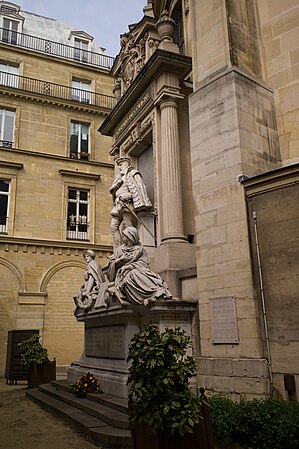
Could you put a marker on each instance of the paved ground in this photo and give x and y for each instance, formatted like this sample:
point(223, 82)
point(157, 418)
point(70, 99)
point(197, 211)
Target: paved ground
point(24, 425)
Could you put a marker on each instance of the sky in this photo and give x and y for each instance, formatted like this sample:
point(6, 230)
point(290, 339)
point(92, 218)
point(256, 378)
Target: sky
point(105, 20)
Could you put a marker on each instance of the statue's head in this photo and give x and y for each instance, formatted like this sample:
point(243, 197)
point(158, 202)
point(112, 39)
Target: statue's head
point(90, 253)
point(123, 162)
point(131, 234)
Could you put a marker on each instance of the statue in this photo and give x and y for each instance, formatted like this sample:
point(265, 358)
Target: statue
point(131, 278)
point(93, 280)
point(129, 196)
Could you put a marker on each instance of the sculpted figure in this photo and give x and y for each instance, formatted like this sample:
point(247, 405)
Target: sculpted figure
point(129, 196)
point(93, 278)
point(134, 281)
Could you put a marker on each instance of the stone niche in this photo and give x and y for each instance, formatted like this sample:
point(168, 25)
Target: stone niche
point(108, 333)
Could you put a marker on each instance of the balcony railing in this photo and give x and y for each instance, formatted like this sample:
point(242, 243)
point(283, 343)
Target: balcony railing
point(56, 90)
point(3, 224)
point(55, 48)
point(77, 230)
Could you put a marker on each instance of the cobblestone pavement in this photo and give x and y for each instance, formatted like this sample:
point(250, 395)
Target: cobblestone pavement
point(24, 425)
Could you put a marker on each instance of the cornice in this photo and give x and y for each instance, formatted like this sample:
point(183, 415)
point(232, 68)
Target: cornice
point(70, 161)
point(54, 244)
point(15, 165)
point(160, 61)
point(79, 174)
point(272, 180)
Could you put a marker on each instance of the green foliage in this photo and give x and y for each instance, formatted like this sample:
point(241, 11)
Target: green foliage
point(32, 352)
point(257, 424)
point(86, 384)
point(158, 381)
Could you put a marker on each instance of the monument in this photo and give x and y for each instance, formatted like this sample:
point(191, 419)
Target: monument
point(116, 302)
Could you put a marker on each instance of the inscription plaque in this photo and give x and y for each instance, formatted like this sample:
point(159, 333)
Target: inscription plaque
point(106, 342)
point(224, 320)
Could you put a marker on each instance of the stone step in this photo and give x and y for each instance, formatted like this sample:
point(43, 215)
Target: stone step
point(113, 402)
point(99, 432)
point(106, 414)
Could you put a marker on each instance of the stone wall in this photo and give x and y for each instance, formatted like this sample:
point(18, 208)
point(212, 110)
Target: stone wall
point(279, 23)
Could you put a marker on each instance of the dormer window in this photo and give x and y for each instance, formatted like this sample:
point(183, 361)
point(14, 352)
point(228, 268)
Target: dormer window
point(81, 42)
point(10, 30)
point(81, 50)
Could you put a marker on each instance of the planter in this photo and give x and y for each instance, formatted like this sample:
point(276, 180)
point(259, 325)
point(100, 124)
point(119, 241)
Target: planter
point(41, 374)
point(142, 439)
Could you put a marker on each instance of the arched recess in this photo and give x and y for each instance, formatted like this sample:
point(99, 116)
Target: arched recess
point(63, 336)
point(10, 282)
point(12, 267)
point(55, 268)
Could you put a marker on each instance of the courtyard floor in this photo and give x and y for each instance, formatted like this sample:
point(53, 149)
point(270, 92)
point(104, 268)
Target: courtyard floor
point(24, 425)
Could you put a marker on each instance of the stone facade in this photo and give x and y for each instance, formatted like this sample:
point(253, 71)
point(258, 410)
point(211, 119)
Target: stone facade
point(232, 117)
point(41, 255)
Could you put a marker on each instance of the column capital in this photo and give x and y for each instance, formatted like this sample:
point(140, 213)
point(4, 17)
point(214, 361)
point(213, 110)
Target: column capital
point(168, 98)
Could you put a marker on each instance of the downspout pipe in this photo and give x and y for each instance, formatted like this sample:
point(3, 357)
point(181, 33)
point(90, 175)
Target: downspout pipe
point(263, 302)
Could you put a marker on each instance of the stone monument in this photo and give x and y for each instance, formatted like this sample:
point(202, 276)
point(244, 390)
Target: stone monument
point(115, 303)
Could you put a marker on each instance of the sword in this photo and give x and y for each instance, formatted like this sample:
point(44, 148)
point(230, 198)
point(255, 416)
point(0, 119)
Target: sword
point(140, 221)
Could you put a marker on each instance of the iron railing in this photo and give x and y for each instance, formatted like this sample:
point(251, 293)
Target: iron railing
point(56, 90)
point(77, 230)
point(6, 143)
point(55, 48)
point(3, 224)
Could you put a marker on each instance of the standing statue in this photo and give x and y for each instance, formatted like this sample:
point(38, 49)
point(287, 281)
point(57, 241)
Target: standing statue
point(131, 278)
point(129, 196)
point(93, 278)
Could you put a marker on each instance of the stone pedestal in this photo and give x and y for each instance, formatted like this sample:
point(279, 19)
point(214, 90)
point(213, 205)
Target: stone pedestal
point(108, 333)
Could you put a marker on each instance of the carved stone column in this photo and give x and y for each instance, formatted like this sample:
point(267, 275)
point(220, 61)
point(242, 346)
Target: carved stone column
point(172, 215)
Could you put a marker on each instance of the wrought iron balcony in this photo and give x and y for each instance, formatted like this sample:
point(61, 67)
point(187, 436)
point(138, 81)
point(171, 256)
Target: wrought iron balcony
point(55, 90)
point(55, 48)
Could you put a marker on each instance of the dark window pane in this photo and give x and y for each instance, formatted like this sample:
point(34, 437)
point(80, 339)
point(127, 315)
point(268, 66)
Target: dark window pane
point(72, 194)
point(3, 208)
point(83, 195)
point(4, 186)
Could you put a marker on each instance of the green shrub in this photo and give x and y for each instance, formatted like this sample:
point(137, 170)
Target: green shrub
point(158, 381)
point(32, 352)
point(257, 424)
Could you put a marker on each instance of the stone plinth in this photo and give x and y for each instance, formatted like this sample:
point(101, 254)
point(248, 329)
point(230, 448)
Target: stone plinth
point(108, 333)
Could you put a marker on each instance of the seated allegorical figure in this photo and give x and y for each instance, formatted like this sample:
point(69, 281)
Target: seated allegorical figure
point(93, 278)
point(134, 281)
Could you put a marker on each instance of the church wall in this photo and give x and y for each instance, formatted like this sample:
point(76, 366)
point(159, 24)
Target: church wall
point(279, 23)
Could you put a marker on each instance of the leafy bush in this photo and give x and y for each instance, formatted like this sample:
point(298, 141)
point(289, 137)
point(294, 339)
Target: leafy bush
point(86, 384)
point(257, 424)
point(32, 352)
point(159, 394)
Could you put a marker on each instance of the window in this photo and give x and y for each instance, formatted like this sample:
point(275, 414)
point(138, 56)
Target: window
point(81, 50)
point(10, 31)
point(8, 75)
point(78, 214)
point(79, 145)
point(7, 120)
point(81, 91)
point(4, 204)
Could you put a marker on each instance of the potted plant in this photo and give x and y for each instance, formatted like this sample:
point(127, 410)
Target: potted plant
point(163, 410)
point(35, 358)
point(86, 383)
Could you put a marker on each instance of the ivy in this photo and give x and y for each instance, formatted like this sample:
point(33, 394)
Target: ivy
point(158, 381)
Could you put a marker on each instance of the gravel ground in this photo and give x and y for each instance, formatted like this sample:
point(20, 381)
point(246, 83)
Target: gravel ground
point(24, 425)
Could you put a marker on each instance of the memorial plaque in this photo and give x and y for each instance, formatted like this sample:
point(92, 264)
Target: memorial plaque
point(224, 320)
point(105, 342)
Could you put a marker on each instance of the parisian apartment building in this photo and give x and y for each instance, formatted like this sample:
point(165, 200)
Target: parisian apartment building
point(55, 174)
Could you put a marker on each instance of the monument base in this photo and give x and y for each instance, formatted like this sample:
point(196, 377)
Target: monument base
point(108, 333)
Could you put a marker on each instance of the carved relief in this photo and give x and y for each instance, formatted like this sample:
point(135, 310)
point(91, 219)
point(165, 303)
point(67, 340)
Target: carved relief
point(132, 58)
